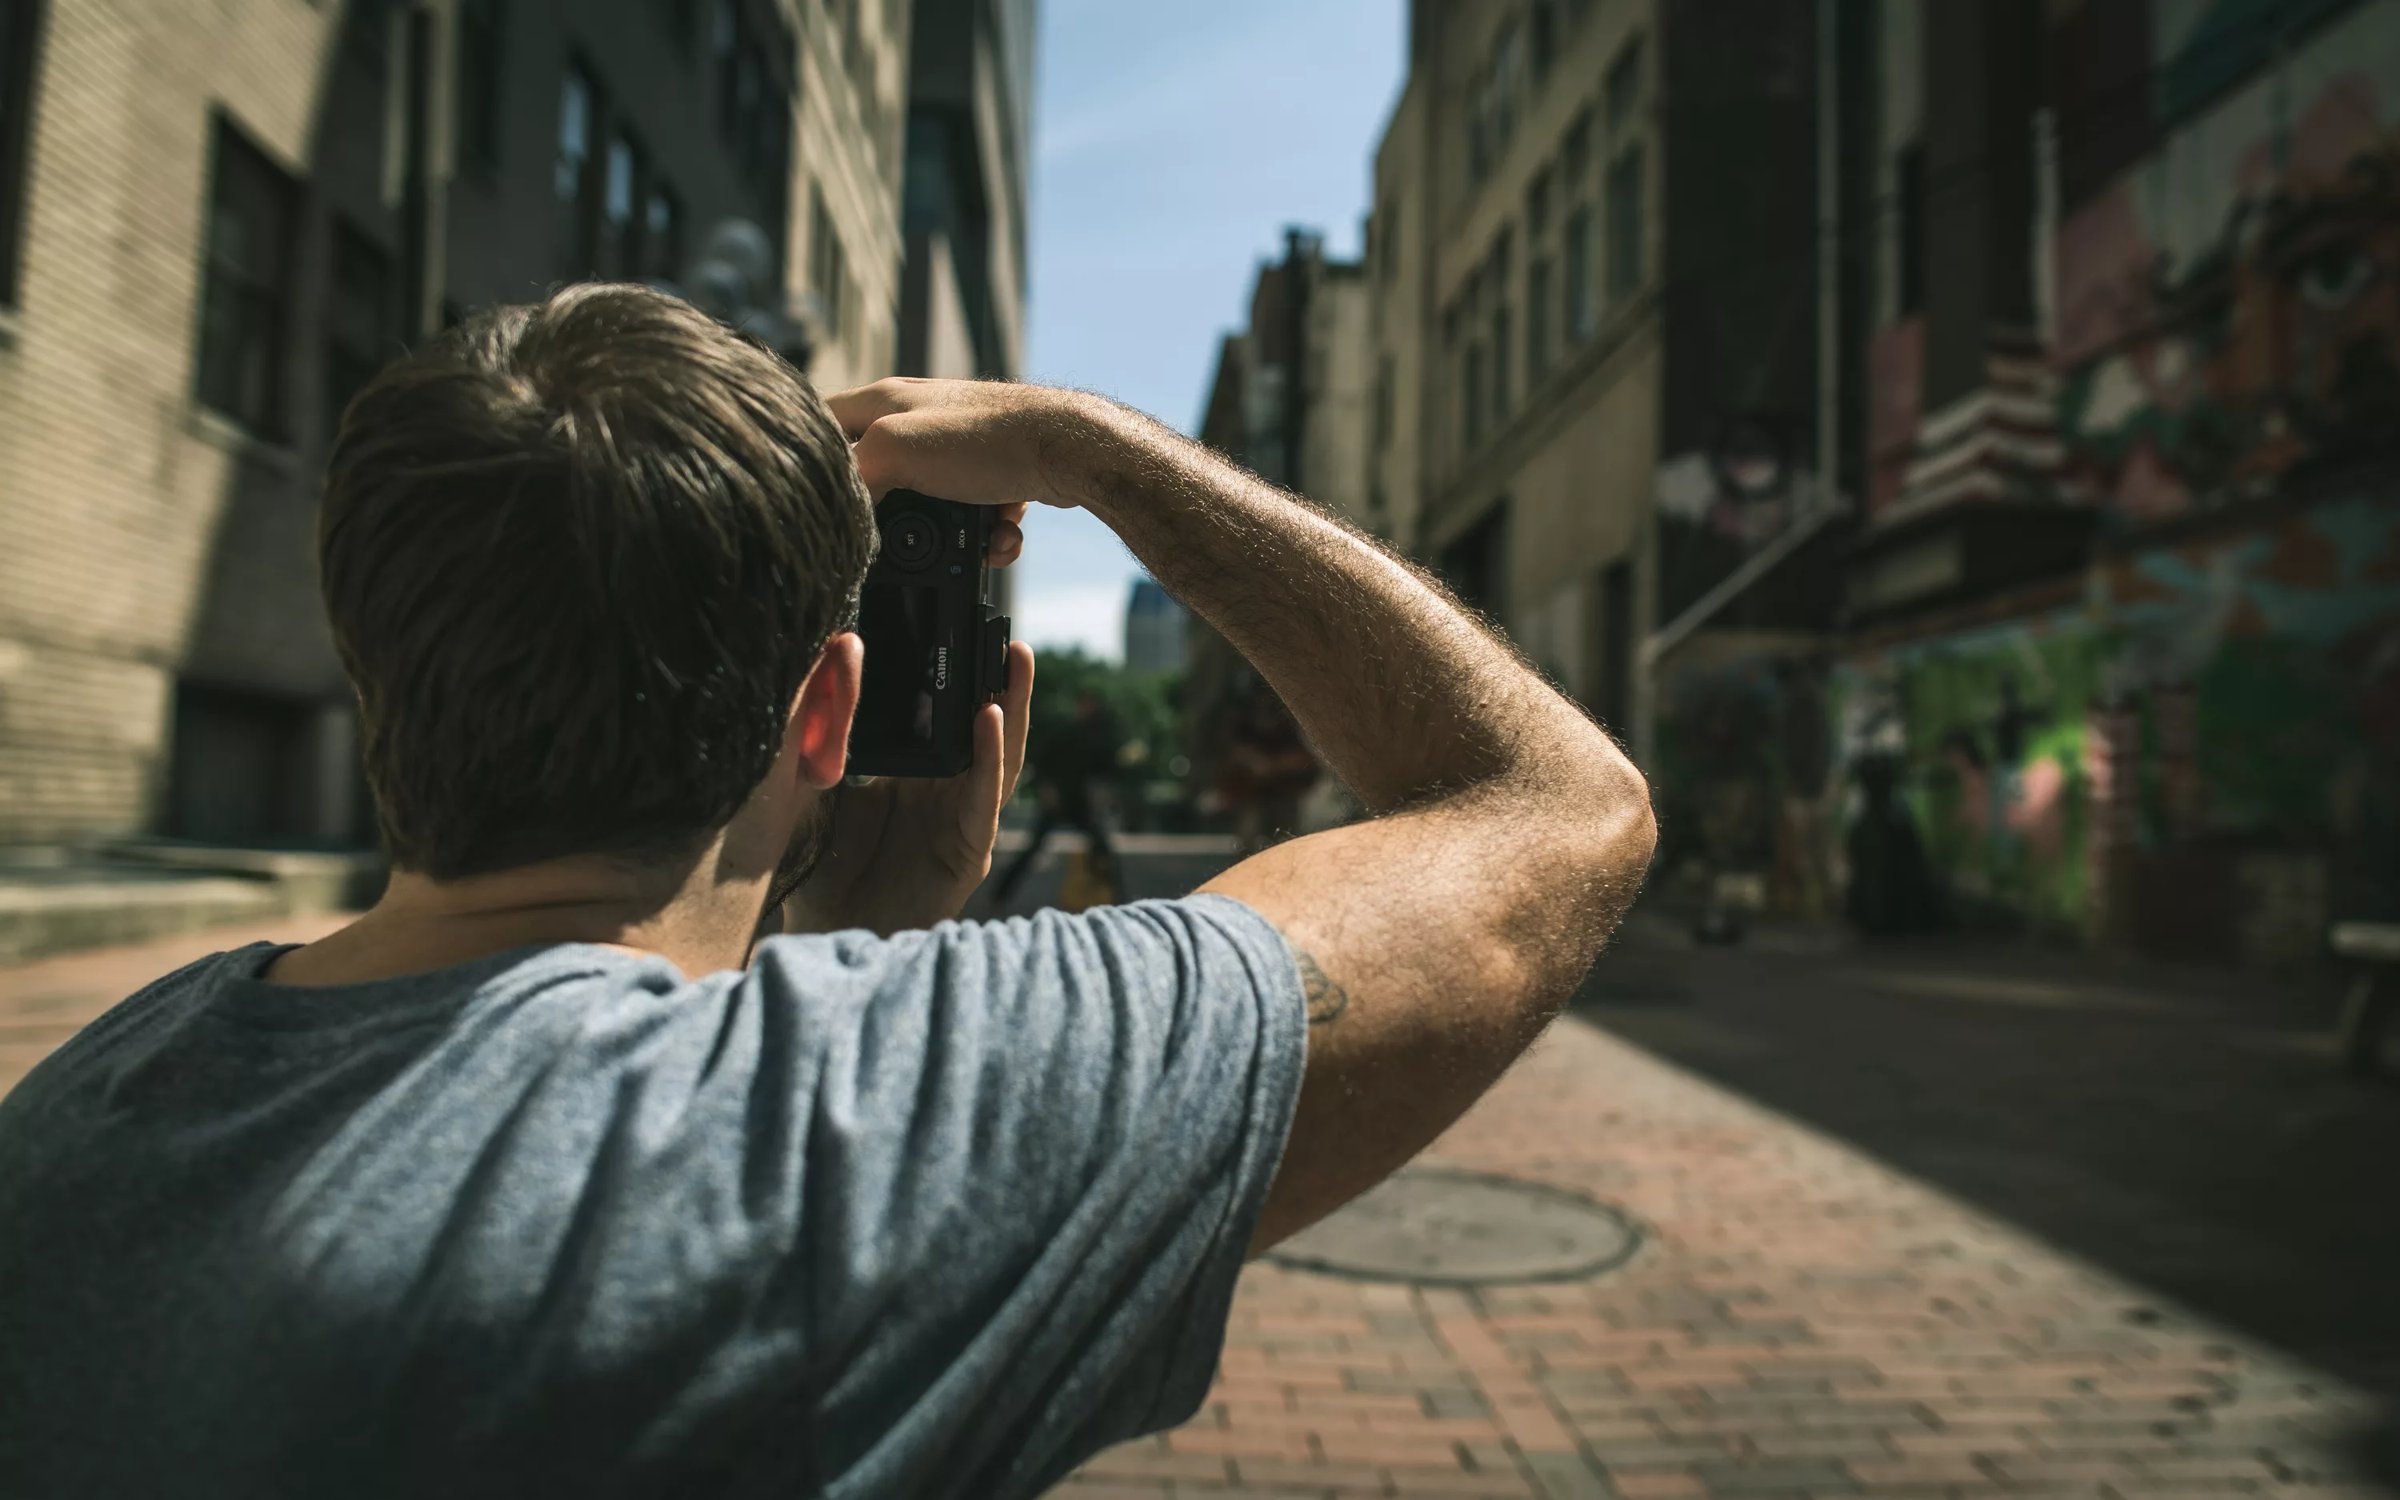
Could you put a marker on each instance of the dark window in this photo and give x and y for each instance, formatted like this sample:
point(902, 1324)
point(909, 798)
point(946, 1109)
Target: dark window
point(1624, 86)
point(1908, 228)
point(1502, 363)
point(1625, 223)
point(242, 772)
point(620, 209)
point(1616, 646)
point(253, 211)
point(662, 232)
point(1582, 312)
point(575, 178)
point(1537, 323)
point(479, 112)
point(367, 27)
point(1387, 239)
point(1537, 204)
point(1472, 382)
point(753, 61)
point(828, 270)
point(1545, 37)
point(1575, 155)
point(681, 18)
point(1386, 400)
point(20, 41)
point(1476, 565)
point(362, 332)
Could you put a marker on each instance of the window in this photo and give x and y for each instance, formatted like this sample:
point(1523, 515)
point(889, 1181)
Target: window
point(753, 61)
point(1576, 258)
point(362, 331)
point(20, 41)
point(479, 82)
point(253, 209)
point(662, 232)
point(573, 179)
point(367, 33)
point(680, 18)
point(1908, 228)
point(1624, 87)
point(1575, 155)
point(1501, 363)
point(828, 270)
point(620, 200)
point(1387, 240)
point(1537, 204)
point(1386, 399)
point(1545, 37)
point(1537, 323)
point(1625, 223)
point(1471, 384)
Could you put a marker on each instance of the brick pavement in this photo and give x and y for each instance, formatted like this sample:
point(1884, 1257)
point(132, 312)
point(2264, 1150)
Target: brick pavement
point(1800, 1322)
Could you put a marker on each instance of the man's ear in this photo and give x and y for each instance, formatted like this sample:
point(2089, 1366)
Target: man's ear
point(819, 733)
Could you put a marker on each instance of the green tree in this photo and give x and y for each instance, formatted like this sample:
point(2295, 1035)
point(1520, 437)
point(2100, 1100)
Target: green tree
point(1144, 706)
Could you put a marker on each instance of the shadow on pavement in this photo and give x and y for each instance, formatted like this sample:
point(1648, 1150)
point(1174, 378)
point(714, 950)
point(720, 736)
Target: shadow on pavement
point(2189, 1133)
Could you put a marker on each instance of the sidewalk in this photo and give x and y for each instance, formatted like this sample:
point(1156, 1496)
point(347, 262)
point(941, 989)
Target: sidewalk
point(1799, 1321)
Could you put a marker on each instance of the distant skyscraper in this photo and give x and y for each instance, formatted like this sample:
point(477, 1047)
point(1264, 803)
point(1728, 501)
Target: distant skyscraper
point(1154, 629)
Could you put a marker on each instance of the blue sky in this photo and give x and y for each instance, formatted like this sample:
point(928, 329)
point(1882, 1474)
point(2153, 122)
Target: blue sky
point(1173, 140)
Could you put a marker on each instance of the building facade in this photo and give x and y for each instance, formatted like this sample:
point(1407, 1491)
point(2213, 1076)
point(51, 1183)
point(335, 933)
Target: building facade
point(2126, 613)
point(1552, 412)
point(214, 226)
point(1156, 629)
point(962, 303)
point(1290, 400)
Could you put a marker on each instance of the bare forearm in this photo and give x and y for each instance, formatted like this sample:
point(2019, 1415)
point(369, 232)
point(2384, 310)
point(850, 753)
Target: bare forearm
point(1405, 694)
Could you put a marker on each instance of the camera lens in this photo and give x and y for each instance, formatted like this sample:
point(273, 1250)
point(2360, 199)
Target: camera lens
point(910, 541)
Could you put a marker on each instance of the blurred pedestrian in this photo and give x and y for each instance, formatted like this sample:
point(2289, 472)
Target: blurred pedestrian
point(1268, 768)
point(1071, 769)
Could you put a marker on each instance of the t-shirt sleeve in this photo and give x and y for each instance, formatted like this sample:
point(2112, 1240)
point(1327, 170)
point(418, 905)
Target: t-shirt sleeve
point(1036, 1154)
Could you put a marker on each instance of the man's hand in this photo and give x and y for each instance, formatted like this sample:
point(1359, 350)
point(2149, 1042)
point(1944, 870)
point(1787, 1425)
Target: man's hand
point(981, 442)
point(907, 852)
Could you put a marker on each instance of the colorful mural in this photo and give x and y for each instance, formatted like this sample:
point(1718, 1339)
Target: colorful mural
point(2229, 310)
point(2240, 696)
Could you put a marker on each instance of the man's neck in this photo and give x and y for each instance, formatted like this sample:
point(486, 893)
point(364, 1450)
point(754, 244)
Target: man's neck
point(692, 918)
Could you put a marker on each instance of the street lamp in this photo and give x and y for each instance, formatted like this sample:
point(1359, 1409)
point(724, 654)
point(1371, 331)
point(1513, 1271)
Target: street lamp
point(733, 280)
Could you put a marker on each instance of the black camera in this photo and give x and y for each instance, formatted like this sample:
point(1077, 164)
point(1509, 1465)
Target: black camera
point(937, 651)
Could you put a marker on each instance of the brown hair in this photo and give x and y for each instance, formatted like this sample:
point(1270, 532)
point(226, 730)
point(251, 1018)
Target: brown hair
point(579, 557)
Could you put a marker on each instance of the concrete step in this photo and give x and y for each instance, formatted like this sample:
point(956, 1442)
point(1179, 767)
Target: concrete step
point(62, 899)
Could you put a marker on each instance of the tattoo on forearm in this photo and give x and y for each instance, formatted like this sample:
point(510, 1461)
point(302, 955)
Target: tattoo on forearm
point(1326, 999)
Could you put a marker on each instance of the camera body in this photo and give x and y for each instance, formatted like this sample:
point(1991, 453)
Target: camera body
point(936, 650)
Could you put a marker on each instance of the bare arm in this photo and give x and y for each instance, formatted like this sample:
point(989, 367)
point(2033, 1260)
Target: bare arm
point(1436, 939)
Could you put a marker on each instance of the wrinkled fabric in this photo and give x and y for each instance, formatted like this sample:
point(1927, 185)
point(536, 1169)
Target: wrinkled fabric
point(935, 1215)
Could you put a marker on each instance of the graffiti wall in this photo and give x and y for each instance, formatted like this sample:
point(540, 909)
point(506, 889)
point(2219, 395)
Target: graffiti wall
point(2228, 309)
point(2219, 710)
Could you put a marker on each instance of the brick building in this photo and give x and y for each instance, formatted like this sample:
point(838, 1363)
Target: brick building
point(215, 222)
point(1593, 316)
point(2118, 389)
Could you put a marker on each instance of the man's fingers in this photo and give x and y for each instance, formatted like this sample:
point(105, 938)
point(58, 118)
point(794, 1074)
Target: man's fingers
point(881, 455)
point(857, 408)
point(1008, 543)
point(979, 808)
point(1016, 706)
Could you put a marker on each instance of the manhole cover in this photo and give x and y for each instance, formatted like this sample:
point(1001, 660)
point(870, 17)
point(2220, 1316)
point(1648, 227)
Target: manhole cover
point(1431, 1225)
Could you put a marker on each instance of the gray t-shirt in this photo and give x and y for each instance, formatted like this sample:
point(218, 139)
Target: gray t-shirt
point(937, 1215)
